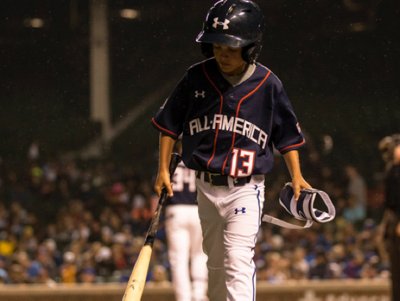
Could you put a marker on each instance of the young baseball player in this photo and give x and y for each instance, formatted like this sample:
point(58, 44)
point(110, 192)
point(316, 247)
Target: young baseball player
point(182, 224)
point(231, 111)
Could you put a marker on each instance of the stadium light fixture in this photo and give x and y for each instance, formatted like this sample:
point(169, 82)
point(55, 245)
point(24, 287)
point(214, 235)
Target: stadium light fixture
point(129, 13)
point(34, 22)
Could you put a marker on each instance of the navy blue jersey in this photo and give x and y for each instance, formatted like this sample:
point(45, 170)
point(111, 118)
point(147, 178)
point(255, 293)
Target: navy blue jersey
point(230, 129)
point(184, 186)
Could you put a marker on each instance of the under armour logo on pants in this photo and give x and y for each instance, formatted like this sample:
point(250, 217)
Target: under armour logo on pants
point(241, 210)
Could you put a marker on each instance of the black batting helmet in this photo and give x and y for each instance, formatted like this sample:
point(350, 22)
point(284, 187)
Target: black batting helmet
point(235, 23)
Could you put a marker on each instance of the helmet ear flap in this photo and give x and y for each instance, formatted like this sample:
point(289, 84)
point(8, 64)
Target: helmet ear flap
point(250, 52)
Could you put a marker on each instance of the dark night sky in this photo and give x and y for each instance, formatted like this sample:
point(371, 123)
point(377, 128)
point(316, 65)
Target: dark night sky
point(339, 62)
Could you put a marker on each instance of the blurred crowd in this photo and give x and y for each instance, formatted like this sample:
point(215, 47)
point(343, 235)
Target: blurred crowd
point(73, 221)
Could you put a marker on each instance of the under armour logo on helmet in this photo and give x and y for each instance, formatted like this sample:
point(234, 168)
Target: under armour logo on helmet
point(201, 94)
point(223, 24)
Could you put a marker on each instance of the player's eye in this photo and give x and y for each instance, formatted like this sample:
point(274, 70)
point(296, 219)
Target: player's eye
point(233, 50)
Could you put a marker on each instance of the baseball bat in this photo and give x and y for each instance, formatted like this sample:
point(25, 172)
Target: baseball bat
point(137, 280)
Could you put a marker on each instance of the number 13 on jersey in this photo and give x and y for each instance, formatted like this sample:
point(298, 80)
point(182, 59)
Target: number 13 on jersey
point(242, 163)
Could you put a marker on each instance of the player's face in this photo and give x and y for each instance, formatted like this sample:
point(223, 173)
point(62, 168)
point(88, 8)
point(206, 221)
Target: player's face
point(229, 59)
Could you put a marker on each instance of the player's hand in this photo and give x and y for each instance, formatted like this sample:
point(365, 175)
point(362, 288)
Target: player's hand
point(298, 183)
point(163, 181)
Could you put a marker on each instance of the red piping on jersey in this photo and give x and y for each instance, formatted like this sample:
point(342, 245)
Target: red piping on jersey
point(237, 114)
point(221, 99)
point(293, 145)
point(163, 129)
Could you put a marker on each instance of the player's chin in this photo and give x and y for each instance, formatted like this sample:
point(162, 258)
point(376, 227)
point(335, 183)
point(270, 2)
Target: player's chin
point(226, 68)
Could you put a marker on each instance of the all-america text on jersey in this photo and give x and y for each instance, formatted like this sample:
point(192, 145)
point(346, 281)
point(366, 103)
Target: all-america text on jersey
point(231, 124)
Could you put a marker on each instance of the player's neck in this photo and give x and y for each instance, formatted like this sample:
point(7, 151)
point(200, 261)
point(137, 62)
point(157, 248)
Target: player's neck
point(235, 80)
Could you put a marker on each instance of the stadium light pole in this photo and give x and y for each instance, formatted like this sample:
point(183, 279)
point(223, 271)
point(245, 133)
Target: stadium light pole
point(99, 67)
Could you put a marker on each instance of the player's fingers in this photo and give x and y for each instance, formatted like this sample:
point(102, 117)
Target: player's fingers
point(157, 189)
point(306, 185)
point(158, 185)
point(296, 189)
point(166, 184)
point(296, 193)
point(169, 190)
point(163, 184)
point(298, 184)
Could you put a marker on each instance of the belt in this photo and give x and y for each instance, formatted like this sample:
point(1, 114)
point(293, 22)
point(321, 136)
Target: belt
point(222, 180)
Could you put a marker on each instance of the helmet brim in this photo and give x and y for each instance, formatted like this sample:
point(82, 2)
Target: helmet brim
point(223, 39)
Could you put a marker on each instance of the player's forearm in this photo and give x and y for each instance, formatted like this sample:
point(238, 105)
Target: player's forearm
point(163, 176)
point(293, 163)
point(165, 151)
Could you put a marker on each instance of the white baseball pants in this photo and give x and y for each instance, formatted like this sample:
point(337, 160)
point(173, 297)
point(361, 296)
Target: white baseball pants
point(230, 219)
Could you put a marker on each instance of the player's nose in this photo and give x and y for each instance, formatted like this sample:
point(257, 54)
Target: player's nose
point(225, 54)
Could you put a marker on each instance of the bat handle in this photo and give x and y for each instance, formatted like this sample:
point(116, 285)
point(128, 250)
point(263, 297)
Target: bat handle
point(175, 159)
point(152, 232)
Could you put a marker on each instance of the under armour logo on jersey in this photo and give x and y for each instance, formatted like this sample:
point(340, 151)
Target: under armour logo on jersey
point(201, 94)
point(223, 24)
point(241, 210)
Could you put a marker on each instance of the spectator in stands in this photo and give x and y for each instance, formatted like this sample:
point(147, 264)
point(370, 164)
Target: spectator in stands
point(3, 271)
point(69, 269)
point(299, 266)
point(320, 266)
point(390, 148)
point(356, 209)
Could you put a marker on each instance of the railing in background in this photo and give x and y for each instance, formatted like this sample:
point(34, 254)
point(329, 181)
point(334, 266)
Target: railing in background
point(328, 290)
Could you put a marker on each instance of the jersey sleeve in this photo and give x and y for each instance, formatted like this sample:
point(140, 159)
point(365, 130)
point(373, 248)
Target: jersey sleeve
point(170, 117)
point(286, 134)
